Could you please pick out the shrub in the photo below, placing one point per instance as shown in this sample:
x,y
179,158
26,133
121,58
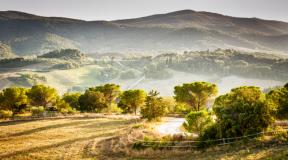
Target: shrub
x,y
37,111
243,111
5,114
67,111
64,107
210,133
113,108
197,121
279,97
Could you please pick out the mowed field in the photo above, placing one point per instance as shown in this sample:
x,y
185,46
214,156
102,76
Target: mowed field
x,y
70,138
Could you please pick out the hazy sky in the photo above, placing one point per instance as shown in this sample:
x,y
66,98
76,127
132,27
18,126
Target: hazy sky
x,y
121,9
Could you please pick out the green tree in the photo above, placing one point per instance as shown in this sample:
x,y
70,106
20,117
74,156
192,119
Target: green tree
x,y
72,99
14,99
197,121
41,95
154,106
92,101
110,91
131,100
195,94
280,98
244,110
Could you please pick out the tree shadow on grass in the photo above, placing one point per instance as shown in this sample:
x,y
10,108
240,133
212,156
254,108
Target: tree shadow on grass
x,y
76,123
108,124
41,148
31,131
16,122
21,121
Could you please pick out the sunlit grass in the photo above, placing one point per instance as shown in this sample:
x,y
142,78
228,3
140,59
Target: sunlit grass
x,y
103,138
56,139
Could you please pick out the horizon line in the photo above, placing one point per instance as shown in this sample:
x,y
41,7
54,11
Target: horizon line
x,y
111,20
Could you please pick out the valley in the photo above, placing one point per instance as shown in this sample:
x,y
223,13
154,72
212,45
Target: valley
x,y
75,72
178,85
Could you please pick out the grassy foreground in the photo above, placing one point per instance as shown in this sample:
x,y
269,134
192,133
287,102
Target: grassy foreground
x,y
98,138
69,138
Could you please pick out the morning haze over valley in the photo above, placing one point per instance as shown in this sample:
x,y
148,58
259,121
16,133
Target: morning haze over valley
x,y
152,40
176,84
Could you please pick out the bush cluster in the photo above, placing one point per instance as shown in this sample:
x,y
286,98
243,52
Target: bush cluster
x,y
243,111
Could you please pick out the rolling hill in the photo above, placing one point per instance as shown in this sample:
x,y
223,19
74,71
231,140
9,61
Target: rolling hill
x,y
28,34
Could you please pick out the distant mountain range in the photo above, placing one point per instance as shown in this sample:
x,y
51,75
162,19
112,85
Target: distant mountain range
x,y
28,34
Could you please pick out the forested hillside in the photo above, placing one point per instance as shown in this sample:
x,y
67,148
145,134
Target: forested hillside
x,y
30,34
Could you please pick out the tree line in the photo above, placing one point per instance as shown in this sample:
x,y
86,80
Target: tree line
x,y
244,110
100,99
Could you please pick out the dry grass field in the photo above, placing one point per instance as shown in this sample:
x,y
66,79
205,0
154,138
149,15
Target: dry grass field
x,y
70,138
103,138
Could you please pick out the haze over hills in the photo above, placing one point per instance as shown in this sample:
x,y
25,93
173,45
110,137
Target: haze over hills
x,y
28,34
